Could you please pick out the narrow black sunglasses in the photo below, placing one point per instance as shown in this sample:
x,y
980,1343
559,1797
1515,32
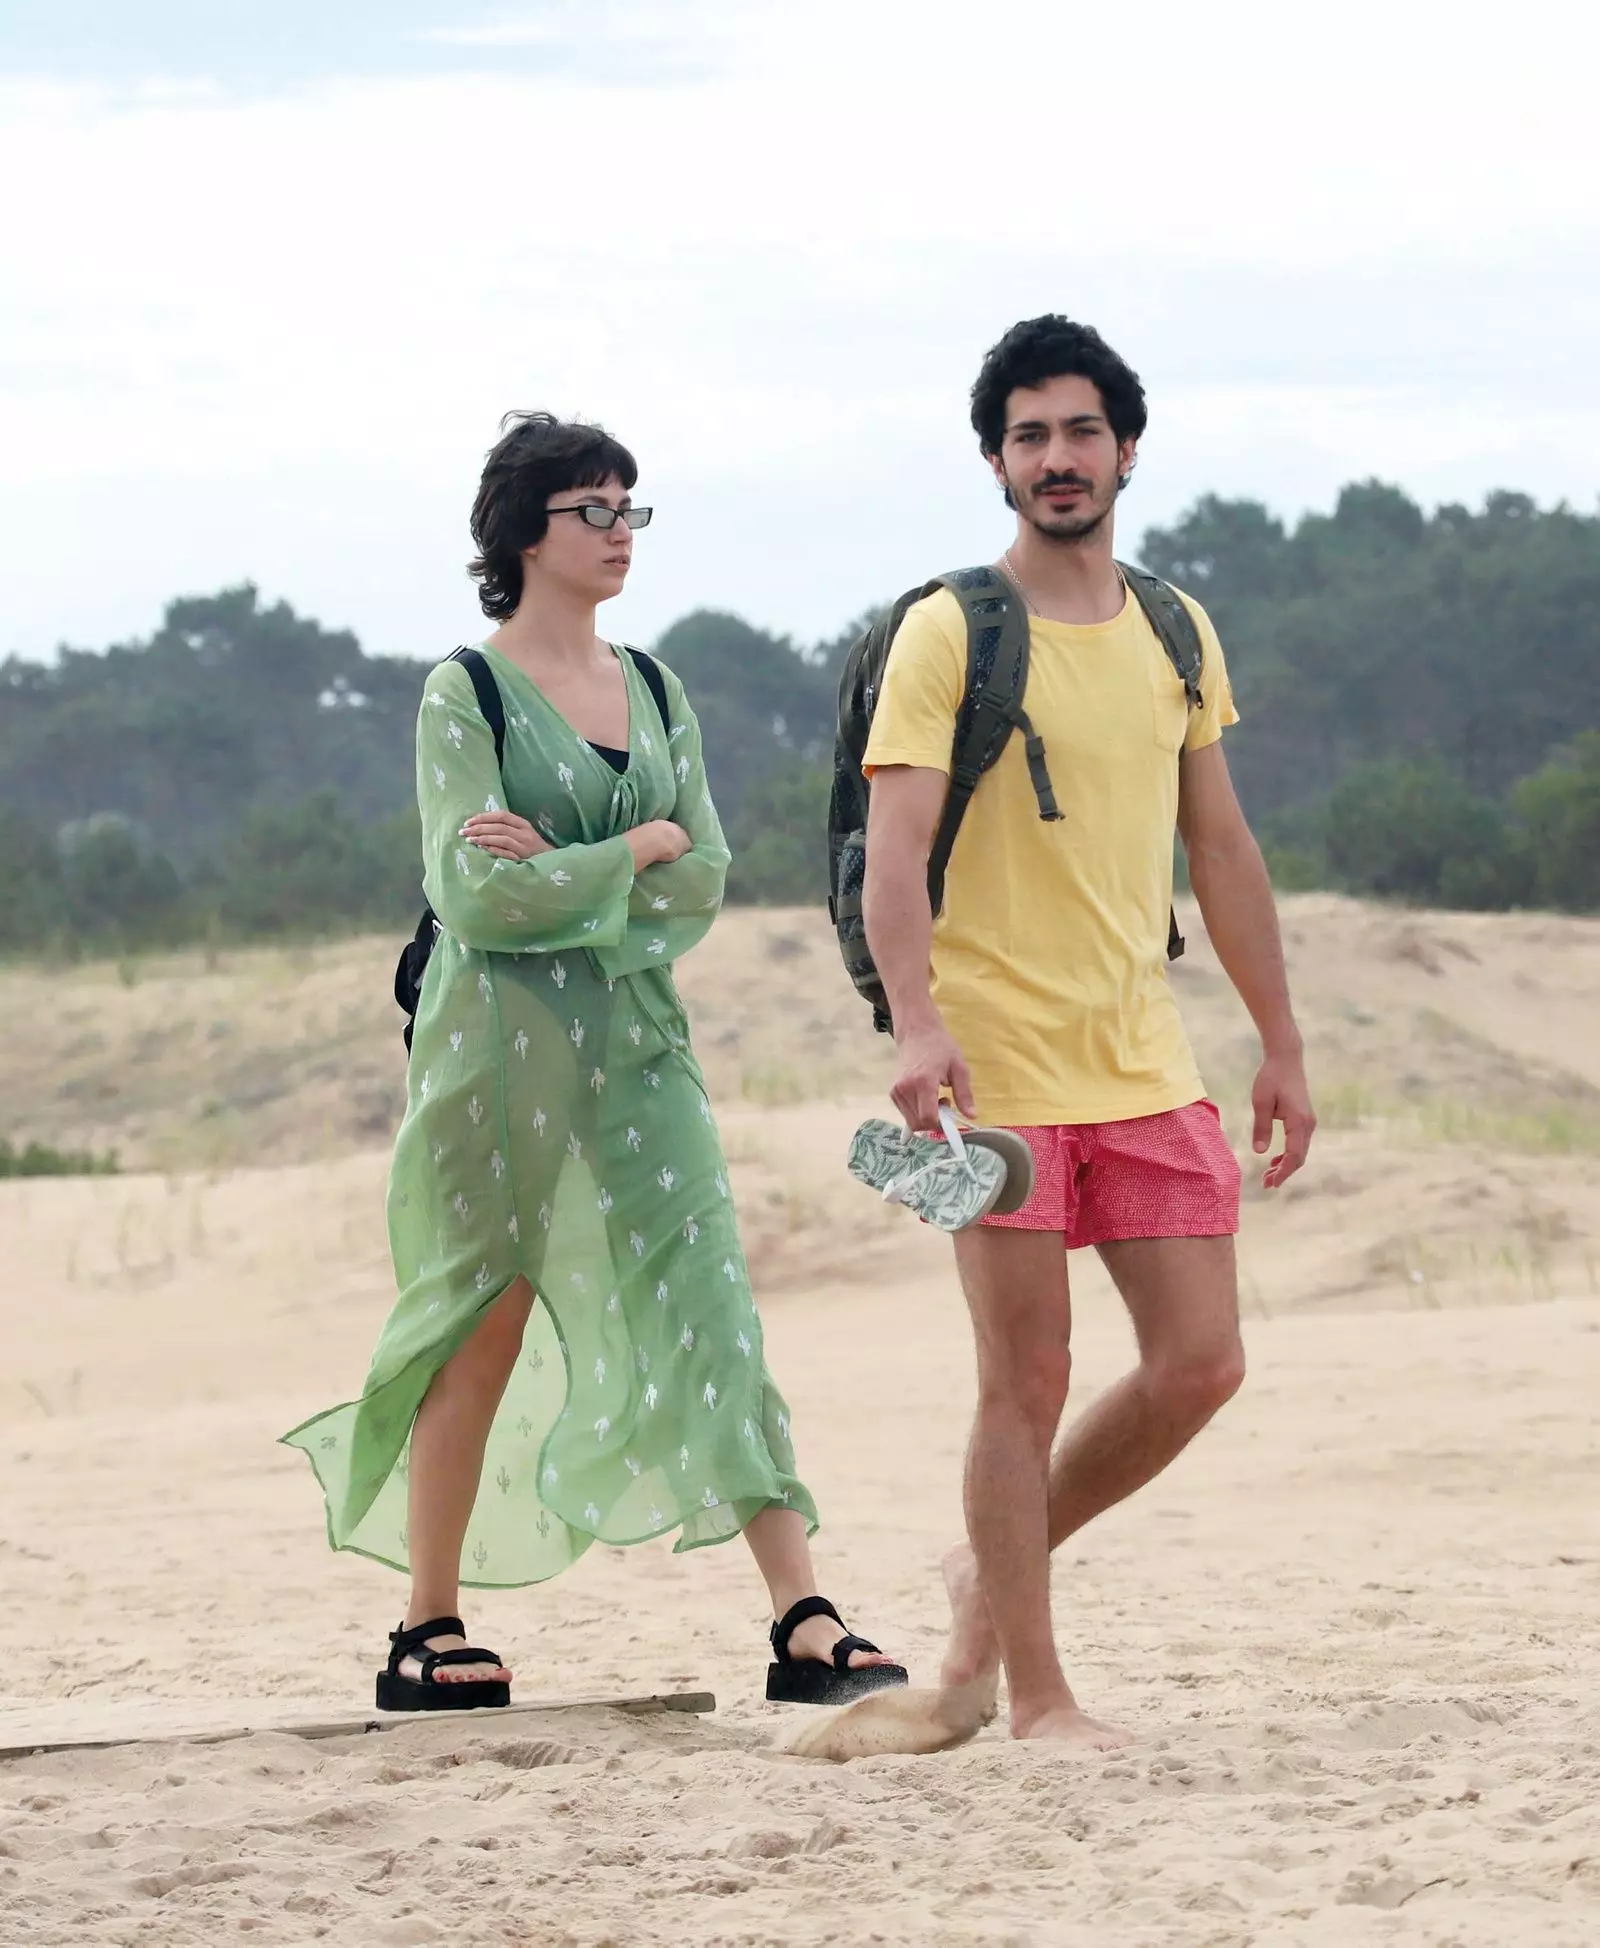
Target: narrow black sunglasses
x,y
608,517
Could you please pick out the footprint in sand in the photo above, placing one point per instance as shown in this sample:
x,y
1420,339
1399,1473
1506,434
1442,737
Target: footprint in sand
x,y
906,1721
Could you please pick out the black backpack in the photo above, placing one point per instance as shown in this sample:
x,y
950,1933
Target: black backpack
x,y
414,956
991,709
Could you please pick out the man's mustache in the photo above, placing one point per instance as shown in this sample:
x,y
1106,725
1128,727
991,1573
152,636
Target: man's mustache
x,y
1063,480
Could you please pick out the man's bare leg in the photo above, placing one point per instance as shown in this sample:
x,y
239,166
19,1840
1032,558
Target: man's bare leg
x,y
1016,1287
1181,1294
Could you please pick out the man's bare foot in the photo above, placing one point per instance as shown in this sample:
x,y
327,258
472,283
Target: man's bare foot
x,y
816,1637
486,1673
1065,1724
899,1721
973,1651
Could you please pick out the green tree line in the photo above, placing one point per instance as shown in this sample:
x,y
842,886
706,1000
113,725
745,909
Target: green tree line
x,y
1419,713
1419,721
246,774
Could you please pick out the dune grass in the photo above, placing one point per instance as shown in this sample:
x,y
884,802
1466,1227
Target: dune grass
x,y
43,1160
1544,1130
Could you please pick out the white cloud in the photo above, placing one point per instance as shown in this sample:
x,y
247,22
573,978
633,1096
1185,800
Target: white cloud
x,y
274,335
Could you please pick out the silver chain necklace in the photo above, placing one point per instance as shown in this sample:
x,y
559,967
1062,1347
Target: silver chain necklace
x,y
1027,599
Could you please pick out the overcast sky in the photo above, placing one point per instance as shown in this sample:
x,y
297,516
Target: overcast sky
x,y
270,273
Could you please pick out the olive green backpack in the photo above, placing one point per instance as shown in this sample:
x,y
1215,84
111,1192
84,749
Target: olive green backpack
x,y
991,709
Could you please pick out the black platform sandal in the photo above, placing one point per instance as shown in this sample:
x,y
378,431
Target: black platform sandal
x,y
806,1680
398,1693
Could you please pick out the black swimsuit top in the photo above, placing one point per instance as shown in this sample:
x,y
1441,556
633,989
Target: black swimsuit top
x,y
618,760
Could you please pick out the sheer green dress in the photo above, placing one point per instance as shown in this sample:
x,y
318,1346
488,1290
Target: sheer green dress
x,y
557,1127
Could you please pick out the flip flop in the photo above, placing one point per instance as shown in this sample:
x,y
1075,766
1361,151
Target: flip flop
x,y
950,1182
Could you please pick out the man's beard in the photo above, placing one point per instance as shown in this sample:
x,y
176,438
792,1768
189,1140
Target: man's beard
x,y
1069,528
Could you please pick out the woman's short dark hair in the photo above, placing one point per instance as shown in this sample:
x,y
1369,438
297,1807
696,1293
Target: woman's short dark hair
x,y
537,455
1053,347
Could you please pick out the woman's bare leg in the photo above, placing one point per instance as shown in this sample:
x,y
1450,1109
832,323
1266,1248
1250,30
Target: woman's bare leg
x,y
777,1539
447,1447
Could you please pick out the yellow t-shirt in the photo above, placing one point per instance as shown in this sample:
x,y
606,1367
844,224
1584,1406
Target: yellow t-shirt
x,y
1049,958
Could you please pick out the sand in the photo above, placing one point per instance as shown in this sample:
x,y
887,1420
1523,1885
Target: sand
x,y
1356,1631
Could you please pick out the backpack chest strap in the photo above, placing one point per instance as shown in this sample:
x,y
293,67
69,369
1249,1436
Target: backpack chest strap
x,y
1038,770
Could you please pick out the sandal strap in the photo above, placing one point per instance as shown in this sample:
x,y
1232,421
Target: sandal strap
x,y
802,1612
434,1658
434,1627
843,1649
406,1643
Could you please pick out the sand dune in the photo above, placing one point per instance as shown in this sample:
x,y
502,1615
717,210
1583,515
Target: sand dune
x,y
1452,1023
1355,1631
1355,1634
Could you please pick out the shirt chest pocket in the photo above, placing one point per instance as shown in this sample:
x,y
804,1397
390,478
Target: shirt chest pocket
x,y
1169,707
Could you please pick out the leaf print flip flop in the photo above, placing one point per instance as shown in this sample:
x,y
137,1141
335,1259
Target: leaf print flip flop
x,y
951,1182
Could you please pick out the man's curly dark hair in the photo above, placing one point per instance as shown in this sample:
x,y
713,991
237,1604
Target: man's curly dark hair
x,y
1054,347
537,455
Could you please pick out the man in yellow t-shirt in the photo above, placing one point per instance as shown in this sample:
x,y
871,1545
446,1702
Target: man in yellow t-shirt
x,y
1039,1000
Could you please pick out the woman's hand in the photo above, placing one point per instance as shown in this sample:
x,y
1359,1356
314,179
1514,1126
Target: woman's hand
x,y
657,844
504,835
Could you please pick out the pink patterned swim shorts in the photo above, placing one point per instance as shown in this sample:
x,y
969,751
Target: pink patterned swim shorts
x,y
1166,1176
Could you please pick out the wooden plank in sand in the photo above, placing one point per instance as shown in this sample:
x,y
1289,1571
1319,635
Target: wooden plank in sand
x,y
375,1721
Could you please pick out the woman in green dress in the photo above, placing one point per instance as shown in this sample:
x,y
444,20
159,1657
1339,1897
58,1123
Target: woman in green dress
x,y
575,1355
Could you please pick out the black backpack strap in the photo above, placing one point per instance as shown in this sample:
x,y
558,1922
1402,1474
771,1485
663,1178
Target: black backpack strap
x,y
650,670
991,709
414,957
488,695
1168,615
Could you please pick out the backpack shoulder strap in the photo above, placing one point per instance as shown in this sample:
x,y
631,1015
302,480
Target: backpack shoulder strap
x,y
991,707
1168,615
650,670
488,695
